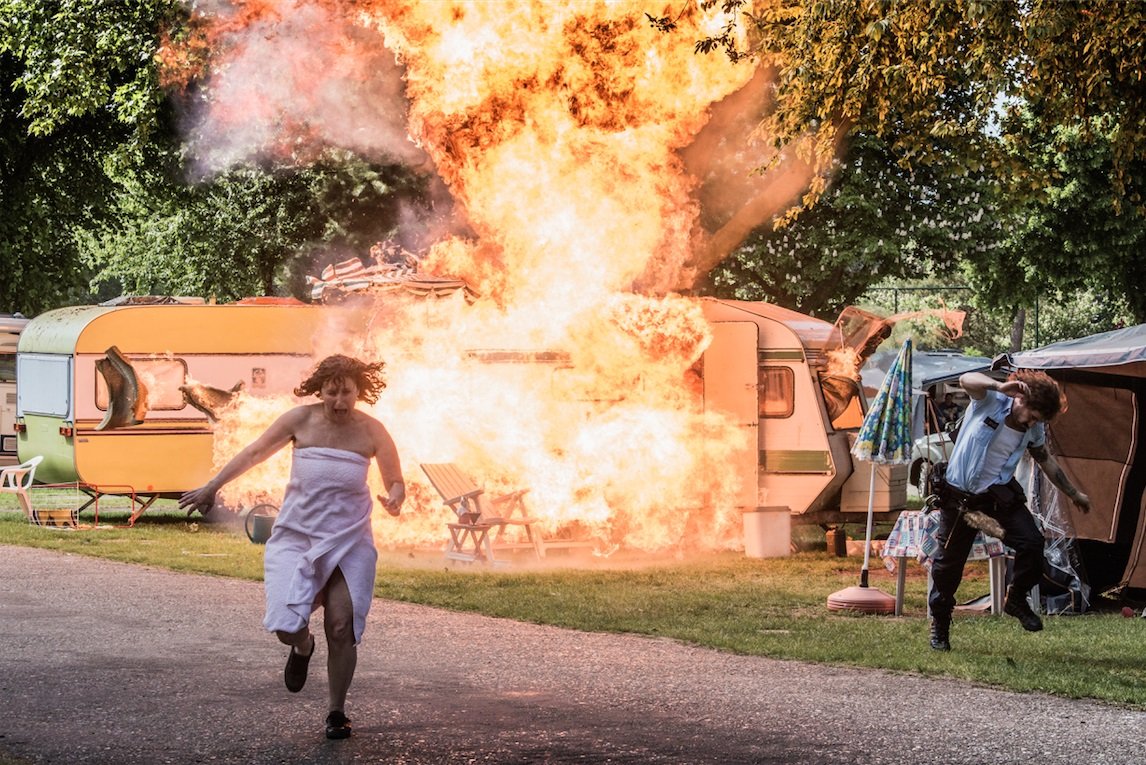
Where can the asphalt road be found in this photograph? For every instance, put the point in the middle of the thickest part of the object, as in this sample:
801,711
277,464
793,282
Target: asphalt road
111,663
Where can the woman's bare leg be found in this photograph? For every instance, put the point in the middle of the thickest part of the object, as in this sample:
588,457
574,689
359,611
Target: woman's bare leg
338,622
301,648
300,641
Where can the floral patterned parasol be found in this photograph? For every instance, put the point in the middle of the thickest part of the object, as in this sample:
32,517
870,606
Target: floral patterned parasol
885,435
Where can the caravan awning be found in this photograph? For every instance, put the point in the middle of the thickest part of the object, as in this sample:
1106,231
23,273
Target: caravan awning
1121,348
927,368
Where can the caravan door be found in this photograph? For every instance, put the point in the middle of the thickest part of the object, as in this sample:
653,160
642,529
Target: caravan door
730,386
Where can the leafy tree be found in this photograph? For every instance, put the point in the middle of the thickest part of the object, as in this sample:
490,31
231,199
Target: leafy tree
962,72
1054,315
47,185
875,221
87,57
79,100
250,230
909,71
1062,316
1075,233
94,175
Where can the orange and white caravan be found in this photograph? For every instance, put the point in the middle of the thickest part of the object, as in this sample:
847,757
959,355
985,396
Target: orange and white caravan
772,368
121,398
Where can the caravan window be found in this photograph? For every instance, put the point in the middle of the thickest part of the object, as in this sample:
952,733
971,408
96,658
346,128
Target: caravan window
161,377
777,387
43,387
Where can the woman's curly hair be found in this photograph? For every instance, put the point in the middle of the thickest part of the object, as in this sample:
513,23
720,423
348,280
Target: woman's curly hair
1046,395
367,376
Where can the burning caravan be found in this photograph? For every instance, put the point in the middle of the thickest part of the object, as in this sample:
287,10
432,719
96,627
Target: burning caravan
771,368
120,398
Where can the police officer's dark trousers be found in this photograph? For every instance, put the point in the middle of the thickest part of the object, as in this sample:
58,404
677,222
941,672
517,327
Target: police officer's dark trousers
1007,504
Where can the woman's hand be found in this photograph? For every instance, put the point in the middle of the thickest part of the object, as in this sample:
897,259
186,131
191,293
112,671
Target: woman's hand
393,503
201,499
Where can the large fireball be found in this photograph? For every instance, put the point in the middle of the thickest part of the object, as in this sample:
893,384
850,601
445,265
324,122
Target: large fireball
558,129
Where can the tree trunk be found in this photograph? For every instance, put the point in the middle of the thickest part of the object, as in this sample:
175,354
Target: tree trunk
1017,327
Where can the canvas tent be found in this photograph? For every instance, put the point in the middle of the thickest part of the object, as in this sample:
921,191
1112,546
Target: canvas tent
1099,442
931,371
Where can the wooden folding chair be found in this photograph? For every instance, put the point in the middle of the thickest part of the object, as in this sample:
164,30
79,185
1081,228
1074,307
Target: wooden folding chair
479,515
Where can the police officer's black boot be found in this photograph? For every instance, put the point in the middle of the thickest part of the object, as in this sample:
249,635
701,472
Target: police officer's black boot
941,633
1017,606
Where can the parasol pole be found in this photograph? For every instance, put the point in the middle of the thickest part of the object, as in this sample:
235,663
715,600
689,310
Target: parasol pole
883,437
867,537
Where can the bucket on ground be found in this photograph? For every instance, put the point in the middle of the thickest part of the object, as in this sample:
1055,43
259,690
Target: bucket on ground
260,522
767,532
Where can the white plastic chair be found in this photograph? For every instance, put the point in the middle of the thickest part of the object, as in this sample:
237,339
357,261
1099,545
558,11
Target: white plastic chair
17,479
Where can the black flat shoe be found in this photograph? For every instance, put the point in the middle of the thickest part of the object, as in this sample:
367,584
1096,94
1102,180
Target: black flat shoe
337,725
294,675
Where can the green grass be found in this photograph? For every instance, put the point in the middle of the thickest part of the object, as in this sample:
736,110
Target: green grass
772,607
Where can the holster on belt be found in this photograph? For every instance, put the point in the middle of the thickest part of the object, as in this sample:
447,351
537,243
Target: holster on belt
973,508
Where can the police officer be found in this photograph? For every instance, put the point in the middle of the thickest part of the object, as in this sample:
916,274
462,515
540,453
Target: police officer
1003,420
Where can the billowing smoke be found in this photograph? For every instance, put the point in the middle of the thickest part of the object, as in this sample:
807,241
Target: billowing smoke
291,76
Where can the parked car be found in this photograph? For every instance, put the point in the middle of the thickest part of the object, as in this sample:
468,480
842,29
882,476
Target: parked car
926,451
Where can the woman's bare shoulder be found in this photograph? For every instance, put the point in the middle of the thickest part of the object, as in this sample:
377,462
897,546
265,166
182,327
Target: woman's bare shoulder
295,419
299,413
375,427
369,421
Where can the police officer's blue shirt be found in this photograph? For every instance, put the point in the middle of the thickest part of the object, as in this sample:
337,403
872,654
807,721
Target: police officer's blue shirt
981,423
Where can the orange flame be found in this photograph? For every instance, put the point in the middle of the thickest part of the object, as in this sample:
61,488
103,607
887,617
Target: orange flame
844,362
558,126
558,129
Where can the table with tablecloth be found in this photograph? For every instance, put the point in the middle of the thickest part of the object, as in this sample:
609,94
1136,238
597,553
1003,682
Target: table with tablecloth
913,536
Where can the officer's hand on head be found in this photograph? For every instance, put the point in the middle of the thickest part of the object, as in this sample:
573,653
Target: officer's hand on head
1014,388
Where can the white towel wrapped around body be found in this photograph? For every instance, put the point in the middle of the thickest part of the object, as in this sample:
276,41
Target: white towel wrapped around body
324,524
